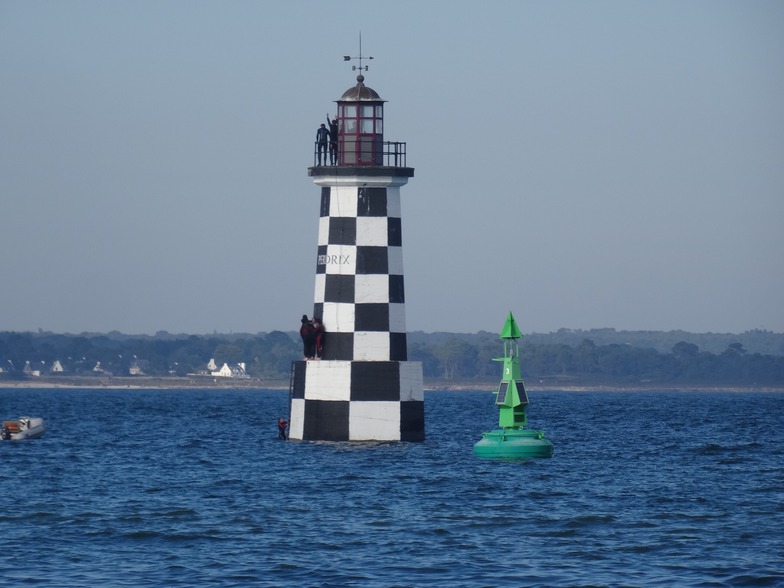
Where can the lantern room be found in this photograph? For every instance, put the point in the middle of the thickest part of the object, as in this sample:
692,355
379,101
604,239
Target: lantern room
360,126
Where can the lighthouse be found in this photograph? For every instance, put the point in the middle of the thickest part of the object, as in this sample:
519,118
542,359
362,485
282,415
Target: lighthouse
362,388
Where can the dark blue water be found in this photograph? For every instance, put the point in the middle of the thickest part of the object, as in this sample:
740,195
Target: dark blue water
193,488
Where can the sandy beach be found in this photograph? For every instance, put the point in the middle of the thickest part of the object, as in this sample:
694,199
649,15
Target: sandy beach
209,382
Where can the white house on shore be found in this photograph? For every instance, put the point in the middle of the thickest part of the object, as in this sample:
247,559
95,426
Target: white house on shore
227,371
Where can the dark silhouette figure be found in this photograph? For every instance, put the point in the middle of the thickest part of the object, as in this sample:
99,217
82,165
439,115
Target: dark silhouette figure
282,425
308,333
333,140
322,137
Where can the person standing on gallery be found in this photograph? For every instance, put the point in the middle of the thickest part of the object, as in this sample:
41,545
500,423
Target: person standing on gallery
333,140
322,138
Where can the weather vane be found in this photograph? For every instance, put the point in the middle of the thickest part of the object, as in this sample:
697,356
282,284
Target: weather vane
360,58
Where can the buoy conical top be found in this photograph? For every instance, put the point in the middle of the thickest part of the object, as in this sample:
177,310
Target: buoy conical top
510,330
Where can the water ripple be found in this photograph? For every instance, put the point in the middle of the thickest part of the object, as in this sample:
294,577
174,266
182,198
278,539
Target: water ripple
643,490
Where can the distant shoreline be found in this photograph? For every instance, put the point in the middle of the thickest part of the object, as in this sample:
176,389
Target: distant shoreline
213,383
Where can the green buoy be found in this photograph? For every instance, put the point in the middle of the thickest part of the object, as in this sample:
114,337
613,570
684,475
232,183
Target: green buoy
511,439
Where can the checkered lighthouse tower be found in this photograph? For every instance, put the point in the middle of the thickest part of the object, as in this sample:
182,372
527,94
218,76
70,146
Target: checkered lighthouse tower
363,388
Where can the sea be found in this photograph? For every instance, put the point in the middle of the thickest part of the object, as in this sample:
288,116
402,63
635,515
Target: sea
193,488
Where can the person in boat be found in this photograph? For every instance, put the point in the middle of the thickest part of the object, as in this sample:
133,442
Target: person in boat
318,328
308,333
282,424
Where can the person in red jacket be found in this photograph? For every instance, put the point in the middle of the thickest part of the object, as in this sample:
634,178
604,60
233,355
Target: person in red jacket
318,327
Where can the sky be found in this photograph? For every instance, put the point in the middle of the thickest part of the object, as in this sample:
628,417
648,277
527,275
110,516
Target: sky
605,164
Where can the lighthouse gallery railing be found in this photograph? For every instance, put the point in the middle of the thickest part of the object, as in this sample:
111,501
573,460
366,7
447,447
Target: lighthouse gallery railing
392,154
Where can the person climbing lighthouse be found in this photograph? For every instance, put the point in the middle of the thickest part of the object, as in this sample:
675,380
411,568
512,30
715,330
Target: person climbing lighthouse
308,334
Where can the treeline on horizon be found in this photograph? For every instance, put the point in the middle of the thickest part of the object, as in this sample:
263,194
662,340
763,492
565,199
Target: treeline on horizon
566,356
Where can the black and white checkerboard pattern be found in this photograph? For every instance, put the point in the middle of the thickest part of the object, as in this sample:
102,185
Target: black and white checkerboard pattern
359,274
363,388
357,401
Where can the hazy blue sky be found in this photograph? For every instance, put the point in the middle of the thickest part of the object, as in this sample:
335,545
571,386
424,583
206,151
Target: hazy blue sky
583,164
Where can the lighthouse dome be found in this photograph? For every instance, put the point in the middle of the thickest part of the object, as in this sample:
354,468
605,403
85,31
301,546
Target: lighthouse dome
360,92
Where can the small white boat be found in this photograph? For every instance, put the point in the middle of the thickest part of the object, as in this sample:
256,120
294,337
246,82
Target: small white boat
22,428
